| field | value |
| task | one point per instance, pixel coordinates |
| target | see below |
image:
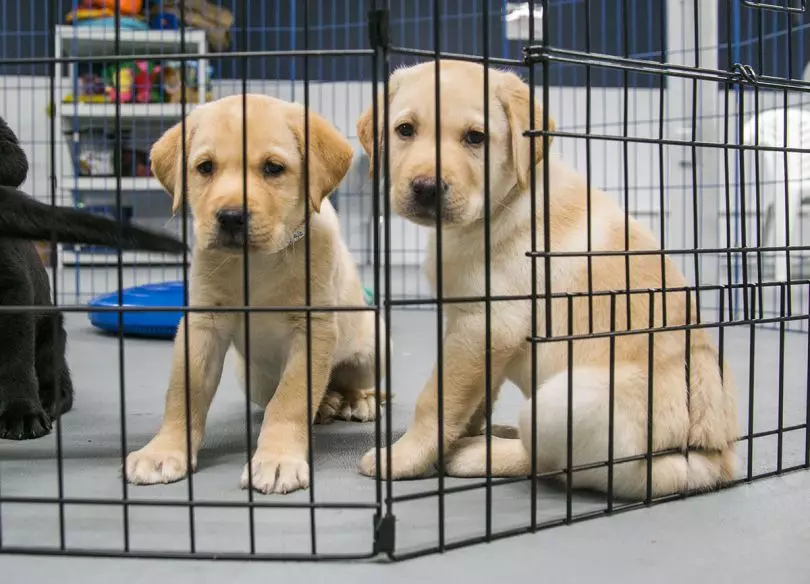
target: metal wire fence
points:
(546, 287)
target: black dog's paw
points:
(23, 420)
(64, 406)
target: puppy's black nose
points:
(425, 190)
(233, 221)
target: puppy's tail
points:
(22, 217)
(677, 473)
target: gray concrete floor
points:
(743, 534)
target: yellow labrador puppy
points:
(693, 406)
(343, 345)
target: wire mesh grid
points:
(651, 102)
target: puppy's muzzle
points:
(233, 228)
(427, 195)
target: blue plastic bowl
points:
(143, 324)
(159, 324)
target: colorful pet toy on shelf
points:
(139, 82)
(147, 82)
(119, 84)
(171, 82)
(91, 90)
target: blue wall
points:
(616, 27)
(341, 24)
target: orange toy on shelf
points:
(128, 7)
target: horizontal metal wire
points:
(749, 287)
(178, 555)
(431, 55)
(672, 328)
(686, 143)
(538, 54)
(206, 504)
(242, 55)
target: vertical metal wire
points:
(308, 284)
(611, 404)
(751, 377)
(743, 214)
(663, 209)
(55, 321)
(588, 166)
(785, 100)
(687, 371)
(246, 314)
(694, 168)
(546, 235)
(192, 532)
(781, 381)
(569, 422)
(747, 314)
(757, 193)
(375, 204)
(439, 271)
(120, 277)
(650, 385)
(386, 166)
(487, 275)
(730, 258)
(807, 404)
(625, 34)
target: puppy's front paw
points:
(360, 405)
(23, 420)
(408, 460)
(157, 463)
(276, 473)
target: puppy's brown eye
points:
(272, 169)
(405, 130)
(205, 167)
(474, 137)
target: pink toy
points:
(147, 80)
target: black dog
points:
(35, 381)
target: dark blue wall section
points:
(617, 27)
(773, 43)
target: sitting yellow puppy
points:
(343, 344)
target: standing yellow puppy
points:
(343, 345)
(693, 407)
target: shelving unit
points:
(150, 205)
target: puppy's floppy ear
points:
(166, 159)
(330, 155)
(365, 123)
(365, 131)
(513, 94)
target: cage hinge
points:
(378, 29)
(535, 54)
(744, 72)
(384, 534)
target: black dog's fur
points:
(35, 381)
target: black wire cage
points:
(673, 242)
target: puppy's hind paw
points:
(360, 405)
(23, 420)
(329, 408)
